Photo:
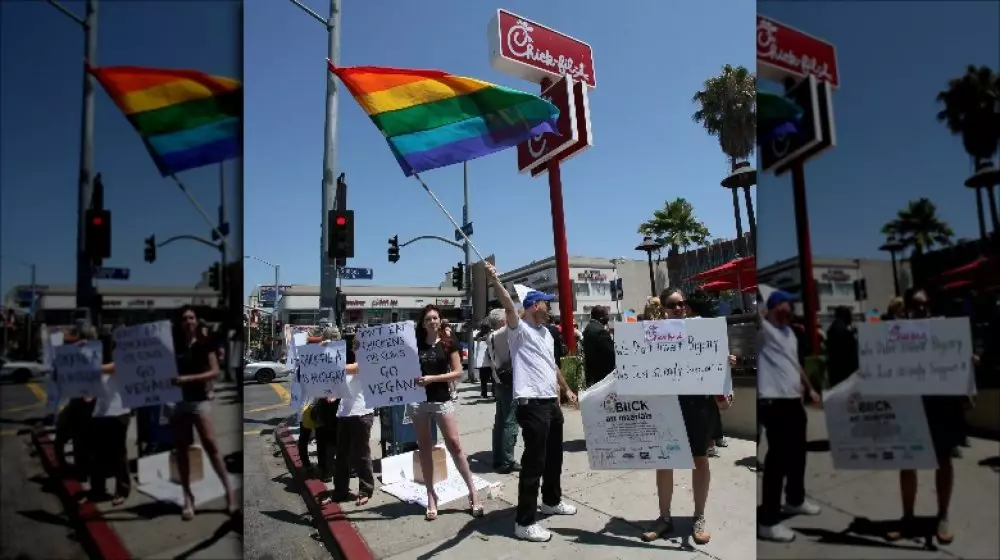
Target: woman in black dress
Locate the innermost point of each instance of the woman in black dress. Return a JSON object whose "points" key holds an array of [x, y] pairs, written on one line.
{"points": [[197, 367], [440, 363]]}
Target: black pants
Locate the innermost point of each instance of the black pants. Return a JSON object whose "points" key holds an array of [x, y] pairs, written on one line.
{"points": [[717, 425], [74, 425], [541, 422], [784, 421], [326, 449], [486, 381], [354, 449], [305, 434], [110, 455]]}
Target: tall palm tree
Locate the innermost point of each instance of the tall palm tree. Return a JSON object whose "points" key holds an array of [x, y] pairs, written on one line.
{"points": [[675, 226], [972, 111], [918, 227], [728, 110]]}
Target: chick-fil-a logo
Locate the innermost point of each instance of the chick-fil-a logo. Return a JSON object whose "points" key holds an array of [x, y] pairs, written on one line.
{"points": [[899, 333], [659, 332]]}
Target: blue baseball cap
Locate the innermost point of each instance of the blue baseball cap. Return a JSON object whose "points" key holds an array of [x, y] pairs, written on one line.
{"points": [[534, 297], [778, 297]]}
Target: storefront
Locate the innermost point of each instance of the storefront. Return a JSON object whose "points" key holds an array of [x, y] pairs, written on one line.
{"points": [[370, 305], [591, 281]]}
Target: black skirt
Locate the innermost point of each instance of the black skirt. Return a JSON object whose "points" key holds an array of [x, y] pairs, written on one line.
{"points": [[699, 419]]}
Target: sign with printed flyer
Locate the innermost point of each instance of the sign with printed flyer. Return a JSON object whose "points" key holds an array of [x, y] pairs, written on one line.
{"points": [[389, 367], [672, 357], [633, 432], [869, 432]]}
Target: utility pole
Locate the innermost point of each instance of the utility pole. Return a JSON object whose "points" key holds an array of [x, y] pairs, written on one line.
{"points": [[223, 231], [470, 336], [84, 268], [328, 280]]}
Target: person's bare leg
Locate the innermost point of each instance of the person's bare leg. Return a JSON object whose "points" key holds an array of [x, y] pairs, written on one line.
{"points": [[181, 424], [664, 491], [203, 424], [908, 491], [449, 431], [701, 478], [422, 426], [944, 481]]}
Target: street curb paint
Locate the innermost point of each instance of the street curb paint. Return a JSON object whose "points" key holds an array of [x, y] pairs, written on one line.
{"points": [[97, 536], [335, 527]]}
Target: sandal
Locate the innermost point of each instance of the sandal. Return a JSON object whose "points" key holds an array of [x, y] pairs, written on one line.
{"points": [[660, 527], [431, 514], [362, 500], [476, 510], [904, 529], [117, 501], [943, 533], [187, 514]]}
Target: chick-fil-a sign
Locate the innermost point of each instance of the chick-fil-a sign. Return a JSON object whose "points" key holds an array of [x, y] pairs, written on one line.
{"points": [[533, 52], [786, 52]]}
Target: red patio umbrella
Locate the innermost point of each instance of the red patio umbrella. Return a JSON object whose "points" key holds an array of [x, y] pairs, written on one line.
{"points": [[735, 271], [981, 264]]}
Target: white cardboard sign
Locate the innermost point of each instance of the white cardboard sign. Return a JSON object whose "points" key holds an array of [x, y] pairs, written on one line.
{"points": [[388, 364], [916, 357], [78, 369], [672, 357], [321, 369], [145, 365], [633, 433]]}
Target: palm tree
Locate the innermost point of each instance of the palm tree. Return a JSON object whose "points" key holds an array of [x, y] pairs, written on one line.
{"points": [[972, 111], [728, 110], [675, 226], [917, 227]]}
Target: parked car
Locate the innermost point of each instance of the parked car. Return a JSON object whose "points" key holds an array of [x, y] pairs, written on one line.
{"points": [[264, 371], [21, 371]]}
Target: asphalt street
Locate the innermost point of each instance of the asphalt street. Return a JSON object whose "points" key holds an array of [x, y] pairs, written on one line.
{"points": [[32, 521], [275, 515]]}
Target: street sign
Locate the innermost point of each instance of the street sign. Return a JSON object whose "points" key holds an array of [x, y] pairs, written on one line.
{"points": [[585, 134], [350, 273], [789, 148], [530, 51], [467, 228], [541, 149], [108, 273], [784, 52]]}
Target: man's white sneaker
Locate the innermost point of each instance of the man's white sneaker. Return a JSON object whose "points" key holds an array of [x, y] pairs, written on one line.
{"points": [[562, 508], [777, 532], [533, 533], [805, 508]]}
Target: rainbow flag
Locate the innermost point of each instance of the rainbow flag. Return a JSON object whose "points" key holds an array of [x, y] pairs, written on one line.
{"points": [[433, 119], [187, 119]]}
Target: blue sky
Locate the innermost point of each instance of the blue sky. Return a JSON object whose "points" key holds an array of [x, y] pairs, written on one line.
{"points": [[891, 149], [41, 53], [646, 148]]}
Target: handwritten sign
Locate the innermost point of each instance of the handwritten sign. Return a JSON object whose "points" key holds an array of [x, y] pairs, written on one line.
{"points": [[876, 432], [321, 370], [633, 433], [145, 365], [672, 357], [78, 369], [916, 357], [389, 366]]}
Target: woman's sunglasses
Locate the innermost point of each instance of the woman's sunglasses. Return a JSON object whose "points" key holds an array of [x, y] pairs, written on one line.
{"points": [[676, 305]]}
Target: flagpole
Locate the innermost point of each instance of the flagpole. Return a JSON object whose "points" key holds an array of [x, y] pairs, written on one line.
{"points": [[449, 216], [204, 214]]}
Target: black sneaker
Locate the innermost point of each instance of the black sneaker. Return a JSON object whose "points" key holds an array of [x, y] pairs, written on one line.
{"points": [[509, 468]]}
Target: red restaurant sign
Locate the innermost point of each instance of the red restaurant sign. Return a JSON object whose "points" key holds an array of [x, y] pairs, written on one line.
{"points": [[585, 135], [533, 52], [544, 148], [786, 52]]}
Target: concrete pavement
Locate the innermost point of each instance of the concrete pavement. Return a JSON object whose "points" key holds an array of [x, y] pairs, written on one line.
{"points": [[858, 504], [615, 507]]}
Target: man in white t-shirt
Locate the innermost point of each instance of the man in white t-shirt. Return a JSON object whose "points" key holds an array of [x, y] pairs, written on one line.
{"points": [[537, 383], [781, 382]]}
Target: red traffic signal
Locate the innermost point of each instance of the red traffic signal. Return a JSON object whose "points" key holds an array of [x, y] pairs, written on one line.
{"points": [[341, 221], [97, 221]]}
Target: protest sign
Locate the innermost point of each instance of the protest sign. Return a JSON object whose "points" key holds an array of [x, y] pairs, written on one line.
{"points": [[632, 433], [916, 357], [78, 369], [876, 432], [389, 366], [672, 357], [146, 365], [321, 369]]}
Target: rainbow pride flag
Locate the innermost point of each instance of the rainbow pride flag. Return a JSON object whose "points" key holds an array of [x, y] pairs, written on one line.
{"points": [[433, 119], [187, 119]]}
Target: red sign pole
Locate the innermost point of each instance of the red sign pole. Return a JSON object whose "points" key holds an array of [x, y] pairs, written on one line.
{"points": [[807, 282], [562, 257]]}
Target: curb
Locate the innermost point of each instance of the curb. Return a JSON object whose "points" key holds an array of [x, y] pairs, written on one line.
{"points": [[98, 538], [335, 527]]}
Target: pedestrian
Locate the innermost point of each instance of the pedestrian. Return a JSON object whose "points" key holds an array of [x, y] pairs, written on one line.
{"points": [[841, 346], [354, 431], [197, 367], [598, 346], [781, 385], [537, 383], [74, 421], [110, 426], [486, 387], [699, 420], [946, 421], [326, 416], [895, 310], [505, 419]]}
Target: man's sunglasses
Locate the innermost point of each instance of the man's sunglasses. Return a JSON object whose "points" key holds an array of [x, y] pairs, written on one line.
{"points": [[676, 305]]}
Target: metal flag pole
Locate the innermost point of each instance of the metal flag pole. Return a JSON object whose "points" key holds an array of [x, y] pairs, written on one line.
{"points": [[204, 214], [449, 216], [470, 338]]}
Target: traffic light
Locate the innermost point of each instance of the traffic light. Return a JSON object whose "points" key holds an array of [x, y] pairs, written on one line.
{"points": [[394, 249], [150, 249], [213, 276], [860, 290], [98, 235], [457, 276], [341, 234]]}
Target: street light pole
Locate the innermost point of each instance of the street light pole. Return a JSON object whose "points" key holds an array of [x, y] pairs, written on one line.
{"points": [[892, 245], [649, 245]]}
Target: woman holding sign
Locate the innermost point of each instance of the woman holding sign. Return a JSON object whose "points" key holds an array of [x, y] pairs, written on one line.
{"points": [[197, 367], [698, 414], [440, 364]]}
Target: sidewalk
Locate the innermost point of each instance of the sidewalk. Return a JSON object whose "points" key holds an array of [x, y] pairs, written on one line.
{"points": [[614, 507], [855, 503], [148, 529]]}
